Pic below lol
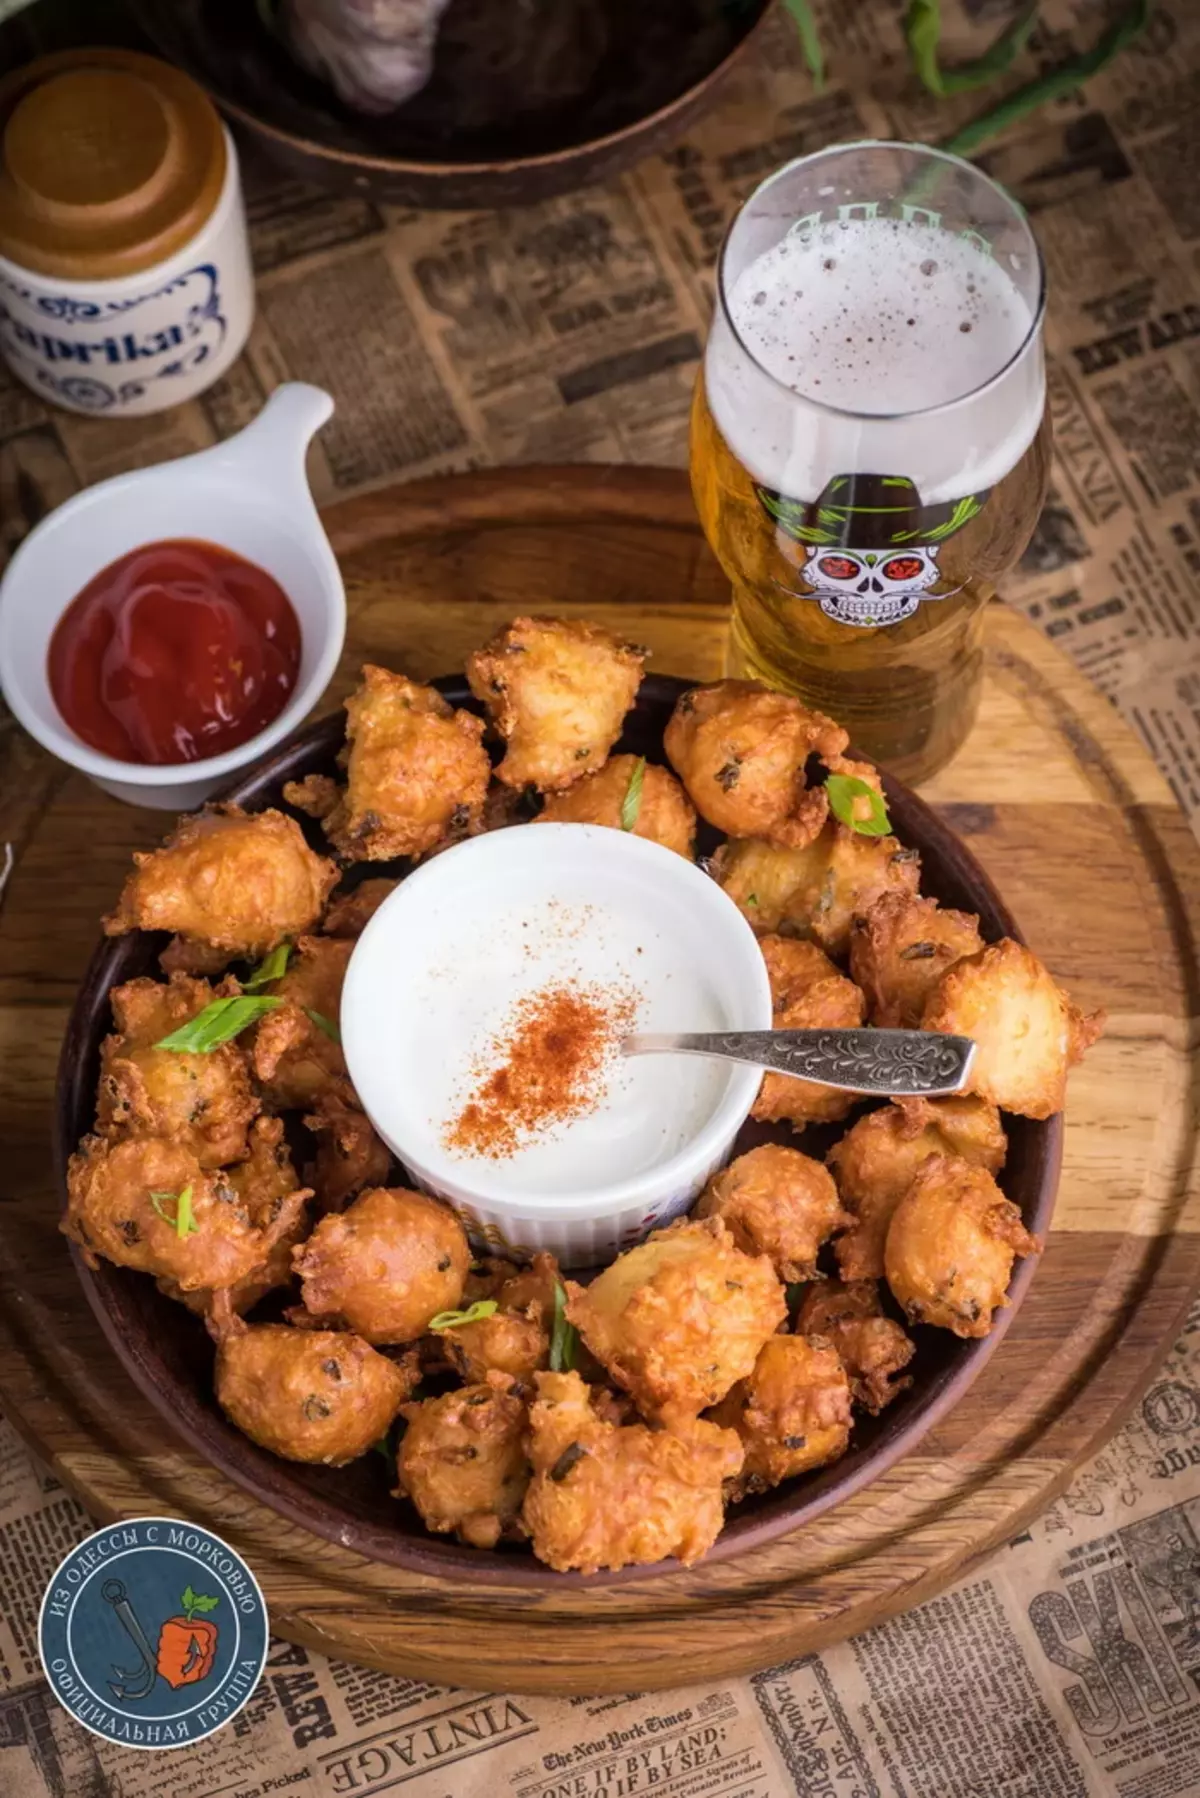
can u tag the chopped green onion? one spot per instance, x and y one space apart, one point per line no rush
564 1337
451 1320
219 1023
631 805
182 1221
323 1023
843 790
273 968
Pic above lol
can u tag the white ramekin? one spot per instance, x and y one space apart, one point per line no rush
136 343
390 1004
249 494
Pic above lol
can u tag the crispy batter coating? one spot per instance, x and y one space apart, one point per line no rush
203 1102
740 750
664 813
679 1318
229 881
462 1461
871 1346
807 993
792 1412
900 950
816 891
386 1265
1027 1030
605 1494
558 691
296 1061
111 1192
515 1339
309 1395
416 770
951 1245
350 1157
876 1161
779 1203
349 913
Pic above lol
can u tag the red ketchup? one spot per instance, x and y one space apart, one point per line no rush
175 652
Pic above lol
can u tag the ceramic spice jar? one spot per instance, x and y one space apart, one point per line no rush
125 282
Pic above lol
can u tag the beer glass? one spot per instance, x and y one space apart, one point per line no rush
869 451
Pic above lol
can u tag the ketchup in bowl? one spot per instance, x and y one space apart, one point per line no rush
173 653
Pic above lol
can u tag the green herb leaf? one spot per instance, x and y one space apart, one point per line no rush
751 898
273 968
564 1337
219 1023
451 1320
181 1220
843 790
323 1023
922 30
810 39
383 1446
198 1601
188 1600
631 805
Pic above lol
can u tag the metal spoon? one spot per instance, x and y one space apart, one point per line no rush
912 1063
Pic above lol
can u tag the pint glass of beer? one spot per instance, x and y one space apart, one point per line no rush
869 453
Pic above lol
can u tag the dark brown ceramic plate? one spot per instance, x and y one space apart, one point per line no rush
502 121
169 1355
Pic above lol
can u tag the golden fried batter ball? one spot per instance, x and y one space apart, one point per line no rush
1027 1030
558 691
792 1412
309 1395
661 810
610 1495
679 1318
951 1245
740 750
871 1346
415 771
515 1339
877 1159
350 1157
807 993
779 1203
230 881
350 913
462 1461
899 951
295 1058
816 891
123 1203
386 1265
203 1102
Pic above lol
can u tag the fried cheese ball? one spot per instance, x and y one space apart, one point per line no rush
872 1347
899 951
321 1396
877 1159
819 890
1027 1031
416 770
350 1157
807 993
951 1246
660 808
779 1203
792 1413
123 1200
462 1461
515 1339
386 1265
606 1494
349 913
203 1102
296 1059
558 691
679 1318
740 749
230 882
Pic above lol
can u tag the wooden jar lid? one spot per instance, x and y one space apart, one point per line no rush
109 163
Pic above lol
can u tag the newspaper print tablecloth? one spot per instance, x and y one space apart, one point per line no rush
570 331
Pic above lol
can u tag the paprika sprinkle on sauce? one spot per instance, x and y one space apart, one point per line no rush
554 1054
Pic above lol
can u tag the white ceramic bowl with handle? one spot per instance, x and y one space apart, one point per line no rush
439 975
249 494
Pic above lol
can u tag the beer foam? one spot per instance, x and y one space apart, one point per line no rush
875 317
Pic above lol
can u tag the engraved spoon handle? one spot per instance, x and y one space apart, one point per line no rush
883 1063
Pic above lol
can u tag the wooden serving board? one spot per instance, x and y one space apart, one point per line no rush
1080 833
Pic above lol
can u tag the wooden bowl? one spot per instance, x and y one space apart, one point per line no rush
168 1353
663 65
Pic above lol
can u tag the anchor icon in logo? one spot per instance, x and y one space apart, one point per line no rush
186 1646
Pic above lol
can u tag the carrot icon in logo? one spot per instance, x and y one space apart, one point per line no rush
186 1648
